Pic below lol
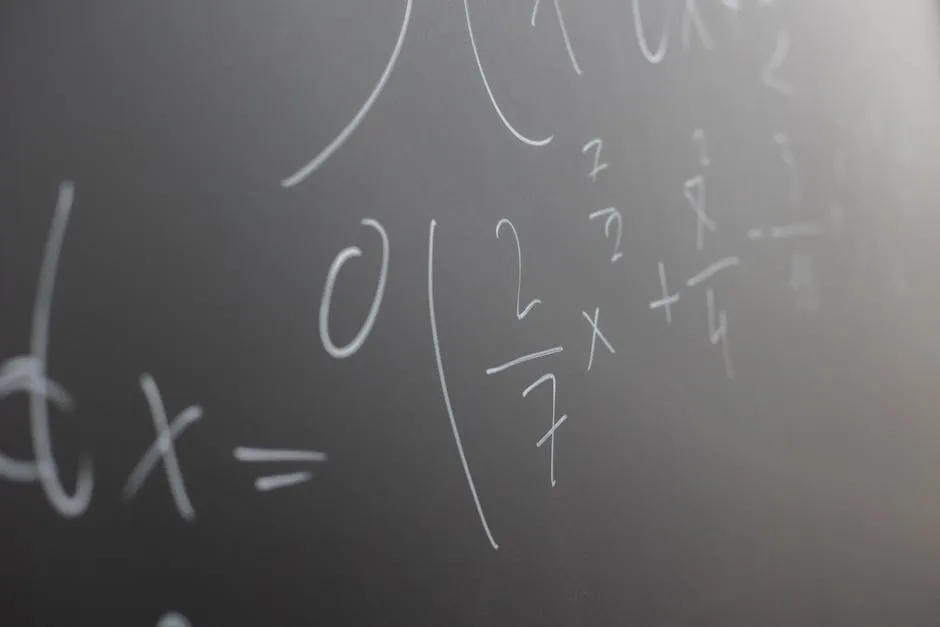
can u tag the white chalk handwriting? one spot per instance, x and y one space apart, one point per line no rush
786 155
520 313
700 141
445 393
718 331
564 32
28 374
692 16
770 74
311 166
595 334
694 190
667 300
556 422
613 215
163 448
476 55
598 144
267 483
648 54
341 352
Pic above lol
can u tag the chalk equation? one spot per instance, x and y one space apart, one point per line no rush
687 283
27 374
284 468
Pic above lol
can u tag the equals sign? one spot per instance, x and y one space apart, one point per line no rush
267 483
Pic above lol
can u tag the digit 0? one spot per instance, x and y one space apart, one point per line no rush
350 349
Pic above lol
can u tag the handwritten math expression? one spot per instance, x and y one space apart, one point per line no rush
174 420
27 374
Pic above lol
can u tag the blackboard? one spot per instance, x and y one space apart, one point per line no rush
470 313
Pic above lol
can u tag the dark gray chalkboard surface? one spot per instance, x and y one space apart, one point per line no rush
461 312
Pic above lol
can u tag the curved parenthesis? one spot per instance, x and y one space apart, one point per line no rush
341 352
652 57
311 167
450 408
499 112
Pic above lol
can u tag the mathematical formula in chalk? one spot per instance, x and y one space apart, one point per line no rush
467 307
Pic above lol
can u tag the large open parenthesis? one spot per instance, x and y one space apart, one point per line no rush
333 146
652 57
440 373
499 112
341 352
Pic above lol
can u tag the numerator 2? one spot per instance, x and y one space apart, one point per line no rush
520 313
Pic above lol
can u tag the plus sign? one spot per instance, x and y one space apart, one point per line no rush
668 300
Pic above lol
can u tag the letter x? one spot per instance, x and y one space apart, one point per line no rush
596 334
162 447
